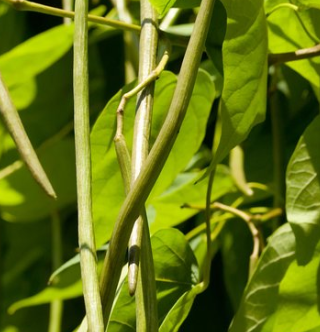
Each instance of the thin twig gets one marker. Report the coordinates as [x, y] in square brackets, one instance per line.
[253, 229]
[304, 53]
[24, 5]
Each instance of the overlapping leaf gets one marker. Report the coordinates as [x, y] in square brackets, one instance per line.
[35, 55]
[176, 273]
[107, 191]
[303, 192]
[298, 298]
[261, 295]
[300, 31]
[244, 50]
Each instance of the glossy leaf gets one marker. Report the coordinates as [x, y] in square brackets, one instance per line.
[176, 273]
[303, 192]
[245, 73]
[179, 311]
[298, 298]
[300, 31]
[107, 193]
[262, 292]
[35, 55]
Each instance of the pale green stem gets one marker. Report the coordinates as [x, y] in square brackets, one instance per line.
[236, 163]
[146, 299]
[88, 259]
[122, 150]
[137, 196]
[131, 43]
[278, 144]
[282, 6]
[56, 306]
[15, 166]
[170, 18]
[207, 265]
[24, 5]
[67, 5]
[253, 229]
[15, 127]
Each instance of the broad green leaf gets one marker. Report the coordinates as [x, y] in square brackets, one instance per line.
[23, 94]
[35, 55]
[22, 200]
[298, 298]
[303, 192]
[245, 73]
[107, 193]
[300, 31]
[176, 273]
[262, 292]
[179, 311]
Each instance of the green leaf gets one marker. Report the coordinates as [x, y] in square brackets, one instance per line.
[35, 55]
[303, 192]
[179, 311]
[107, 193]
[176, 273]
[261, 294]
[245, 73]
[22, 200]
[163, 6]
[298, 302]
[309, 3]
[300, 31]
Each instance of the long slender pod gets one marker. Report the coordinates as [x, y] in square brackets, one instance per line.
[88, 260]
[15, 127]
[137, 196]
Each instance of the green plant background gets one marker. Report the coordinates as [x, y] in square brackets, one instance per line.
[235, 80]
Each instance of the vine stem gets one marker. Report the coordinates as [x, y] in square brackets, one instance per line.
[88, 260]
[146, 299]
[159, 153]
[305, 53]
[15, 127]
[253, 229]
[24, 5]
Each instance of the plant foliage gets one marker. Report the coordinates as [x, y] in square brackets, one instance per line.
[252, 122]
